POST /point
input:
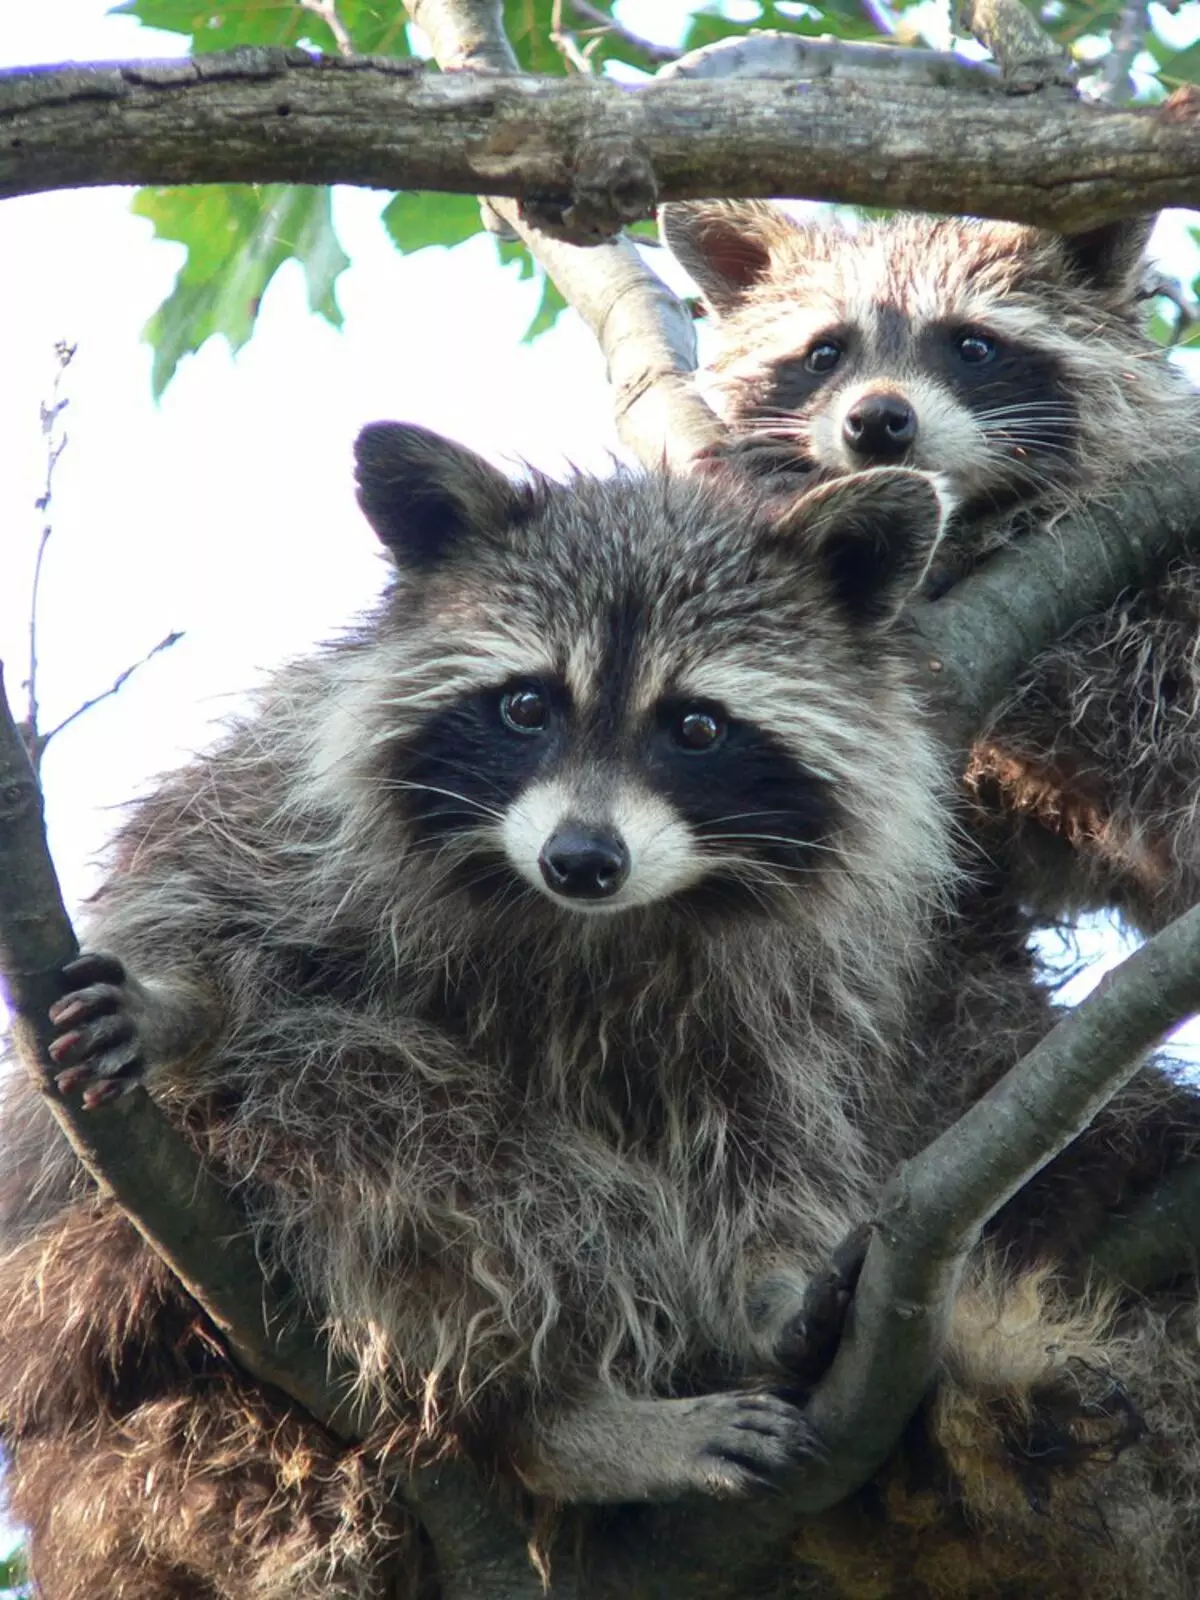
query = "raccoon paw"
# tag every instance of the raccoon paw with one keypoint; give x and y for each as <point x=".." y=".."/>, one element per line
<point x="746" y="1440"/>
<point x="763" y="457"/>
<point x="97" y="1043"/>
<point x="809" y="1340"/>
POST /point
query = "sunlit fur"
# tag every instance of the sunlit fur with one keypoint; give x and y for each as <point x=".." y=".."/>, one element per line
<point x="522" y="1162"/>
<point x="1096" y="755"/>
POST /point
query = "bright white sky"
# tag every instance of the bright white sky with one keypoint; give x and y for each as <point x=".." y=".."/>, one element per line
<point x="227" y="511"/>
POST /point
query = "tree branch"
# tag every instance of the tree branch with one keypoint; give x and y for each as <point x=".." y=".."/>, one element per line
<point x="127" y="1145"/>
<point x="269" y="115"/>
<point x="646" y="335"/>
<point x="190" y="1221"/>
<point x="1028" y="57"/>
<point x="1128" y="42"/>
<point x="798" y="59"/>
<point x="990" y="626"/>
<point x="1159" y="1239"/>
<point x="603" y="23"/>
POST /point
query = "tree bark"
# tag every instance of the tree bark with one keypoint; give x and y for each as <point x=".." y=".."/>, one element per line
<point x="258" y="116"/>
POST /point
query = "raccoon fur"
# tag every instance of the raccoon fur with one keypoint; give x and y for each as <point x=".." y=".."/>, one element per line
<point x="543" y="964"/>
<point x="1015" y="362"/>
<point x="519" y="962"/>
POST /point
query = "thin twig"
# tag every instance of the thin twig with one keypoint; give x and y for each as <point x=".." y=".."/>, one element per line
<point x="64" y="355"/>
<point x="1128" y="42"/>
<point x="117" y="685"/>
<point x="565" y="43"/>
<point x="604" y="24"/>
<point x="327" y="11"/>
<point x="881" y="16"/>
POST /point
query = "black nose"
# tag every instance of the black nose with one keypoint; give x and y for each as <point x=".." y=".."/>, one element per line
<point x="880" y="427"/>
<point x="583" y="863"/>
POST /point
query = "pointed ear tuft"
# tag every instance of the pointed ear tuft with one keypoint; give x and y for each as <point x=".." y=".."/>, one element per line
<point x="873" y="534"/>
<point x="725" y="245"/>
<point x="1111" y="259"/>
<point x="426" y="496"/>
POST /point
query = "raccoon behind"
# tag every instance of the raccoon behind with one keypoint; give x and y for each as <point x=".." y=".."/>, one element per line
<point x="542" y="963"/>
<point x="1015" y="362"/>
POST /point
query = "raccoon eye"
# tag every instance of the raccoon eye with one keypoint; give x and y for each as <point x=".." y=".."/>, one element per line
<point x="974" y="348"/>
<point x="823" y="356"/>
<point x="525" y="710"/>
<point x="698" y="730"/>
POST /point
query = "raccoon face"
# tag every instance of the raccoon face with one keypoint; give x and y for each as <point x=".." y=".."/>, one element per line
<point x="933" y="343"/>
<point x="631" y="693"/>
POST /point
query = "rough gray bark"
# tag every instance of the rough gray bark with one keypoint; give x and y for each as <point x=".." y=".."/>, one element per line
<point x="798" y="59"/>
<point x="986" y="630"/>
<point x="266" y="115"/>
<point x="1027" y="55"/>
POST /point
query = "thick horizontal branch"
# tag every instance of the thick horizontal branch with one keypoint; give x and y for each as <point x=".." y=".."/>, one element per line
<point x="268" y="115"/>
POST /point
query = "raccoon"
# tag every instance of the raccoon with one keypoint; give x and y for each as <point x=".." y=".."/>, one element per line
<point x="1015" y="362"/>
<point x="523" y="961"/>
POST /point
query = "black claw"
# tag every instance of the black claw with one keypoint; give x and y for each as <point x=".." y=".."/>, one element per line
<point x="810" y="1339"/>
<point x="93" y="967"/>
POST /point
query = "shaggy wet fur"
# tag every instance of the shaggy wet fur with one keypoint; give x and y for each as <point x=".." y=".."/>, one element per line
<point x="531" y="1163"/>
<point x="1096" y="754"/>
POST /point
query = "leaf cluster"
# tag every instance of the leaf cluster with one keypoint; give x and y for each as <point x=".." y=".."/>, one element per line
<point x="238" y="236"/>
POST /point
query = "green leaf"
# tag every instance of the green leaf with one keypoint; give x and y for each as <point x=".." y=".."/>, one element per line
<point x="708" y="25"/>
<point x="527" y="24"/>
<point x="224" y="27"/>
<point x="1183" y="66"/>
<point x="548" y="312"/>
<point x="416" y="220"/>
<point x="237" y="238"/>
<point x="14" y="1574"/>
<point x="376" y="27"/>
<point x="511" y="252"/>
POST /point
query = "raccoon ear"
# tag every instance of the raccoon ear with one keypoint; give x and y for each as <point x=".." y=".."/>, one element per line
<point x="725" y="245"/>
<point x="873" y="535"/>
<point x="1111" y="258"/>
<point x="425" y="495"/>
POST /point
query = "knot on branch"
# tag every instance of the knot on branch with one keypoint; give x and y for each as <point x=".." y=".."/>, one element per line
<point x="613" y="184"/>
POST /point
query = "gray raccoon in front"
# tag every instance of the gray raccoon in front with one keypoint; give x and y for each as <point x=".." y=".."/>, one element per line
<point x="523" y="960"/>
<point x="1015" y="362"/>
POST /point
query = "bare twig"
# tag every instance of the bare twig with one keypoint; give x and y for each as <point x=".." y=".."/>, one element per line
<point x="880" y="15"/>
<point x="56" y="443"/>
<point x="1128" y="42"/>
<point x="604" y="24"/>
<point x="116" y="686"/>
<point x="565" y="42"/>
<point x="1027" y="55"/>
<point x="327" y="11"/>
